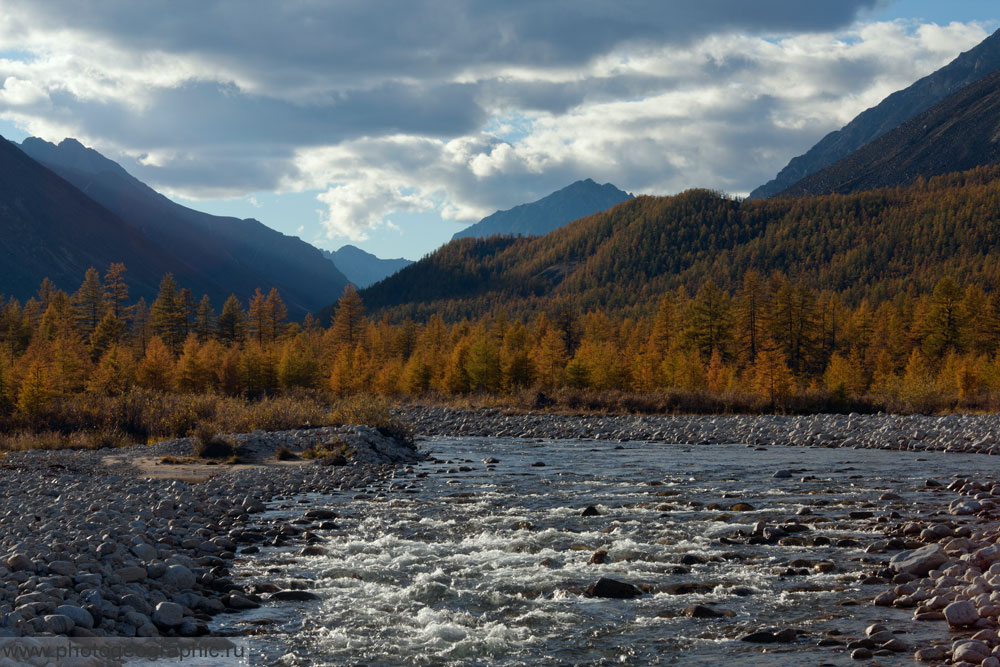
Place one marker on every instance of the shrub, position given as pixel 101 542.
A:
pixel 284 454
pixel 208 445
pixel 371 411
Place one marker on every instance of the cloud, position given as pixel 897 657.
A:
pixel 456 106
pixel 732 113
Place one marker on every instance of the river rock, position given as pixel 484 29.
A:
pixel 702 611
pixel 168 615
pixel 80 617
pixel 178 577
pixel 612 588
pixel 144 551
pixel 62 567
pixel 131 574
pixel 970 650
pixel 294 596
pixel 961 613
pixel 919 562
pixel 58 624
pixel 19 562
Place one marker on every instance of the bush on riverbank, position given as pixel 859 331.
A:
pixel 90 421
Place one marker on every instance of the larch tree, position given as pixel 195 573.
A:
pixel 349 318
pixel 116 291
pixel 88 302
pixel 204 323
pixel 231 325
pixel 167 317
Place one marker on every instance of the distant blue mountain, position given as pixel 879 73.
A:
pixel 363 268
pixel 575 201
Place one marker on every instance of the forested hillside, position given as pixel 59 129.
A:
pixel 870 244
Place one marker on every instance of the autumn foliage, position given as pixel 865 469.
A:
pixel 766 344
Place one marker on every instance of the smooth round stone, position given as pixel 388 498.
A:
pixel 58 624
pixel 179 577
pixel 81 617
pixel 168 615
pixel 962 613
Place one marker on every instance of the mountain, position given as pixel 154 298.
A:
pixel 548 213
pixel 957 134
pixel 48 228
pixel 892 112
pixel 363 268
pixel 221 255
pixel 869 244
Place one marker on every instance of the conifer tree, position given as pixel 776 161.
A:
pixel 156 369
pixel 277 313
pixel 298 365
pixel 204 324
pixel 115 373
pixel 140 325
pixel 348 320
pixel 88 302
pixel 116 291
pixel 232 322
pixel 34 393
pixel 167 317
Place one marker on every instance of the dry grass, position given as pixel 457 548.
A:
pixel 374 411
pixel 96 421
pixel 666 402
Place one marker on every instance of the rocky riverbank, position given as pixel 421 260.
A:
pixel 92 547
pixel 952 433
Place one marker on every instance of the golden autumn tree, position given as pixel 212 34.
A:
pixel 298 363
pixel 156 368
pixel 348 319
pixel 115 372
pixel 771 376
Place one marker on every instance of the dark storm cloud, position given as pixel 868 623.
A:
pixel 300 43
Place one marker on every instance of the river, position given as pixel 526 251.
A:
pixel 461 561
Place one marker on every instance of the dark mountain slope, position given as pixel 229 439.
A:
pixel 892 112
pixel 548 213
pixel 227 255
pixel 48 228
pixel 869 244
pixel 957 134
pixel 363 268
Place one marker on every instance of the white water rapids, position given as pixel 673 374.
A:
pixel 465 562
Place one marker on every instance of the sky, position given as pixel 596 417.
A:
pixel 392 125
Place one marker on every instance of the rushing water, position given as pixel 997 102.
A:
pixel 464 562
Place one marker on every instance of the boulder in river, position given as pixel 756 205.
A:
pixel 294 596
pixel 919 562
pixel 612 588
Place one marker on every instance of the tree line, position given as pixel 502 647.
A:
pixel 768 339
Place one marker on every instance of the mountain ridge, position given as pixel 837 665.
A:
pixel 957 134
pixel 625 259
pixel 363 268
pixel 896 109
pixel 50 229
pixel 227 255
pixel 544 215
